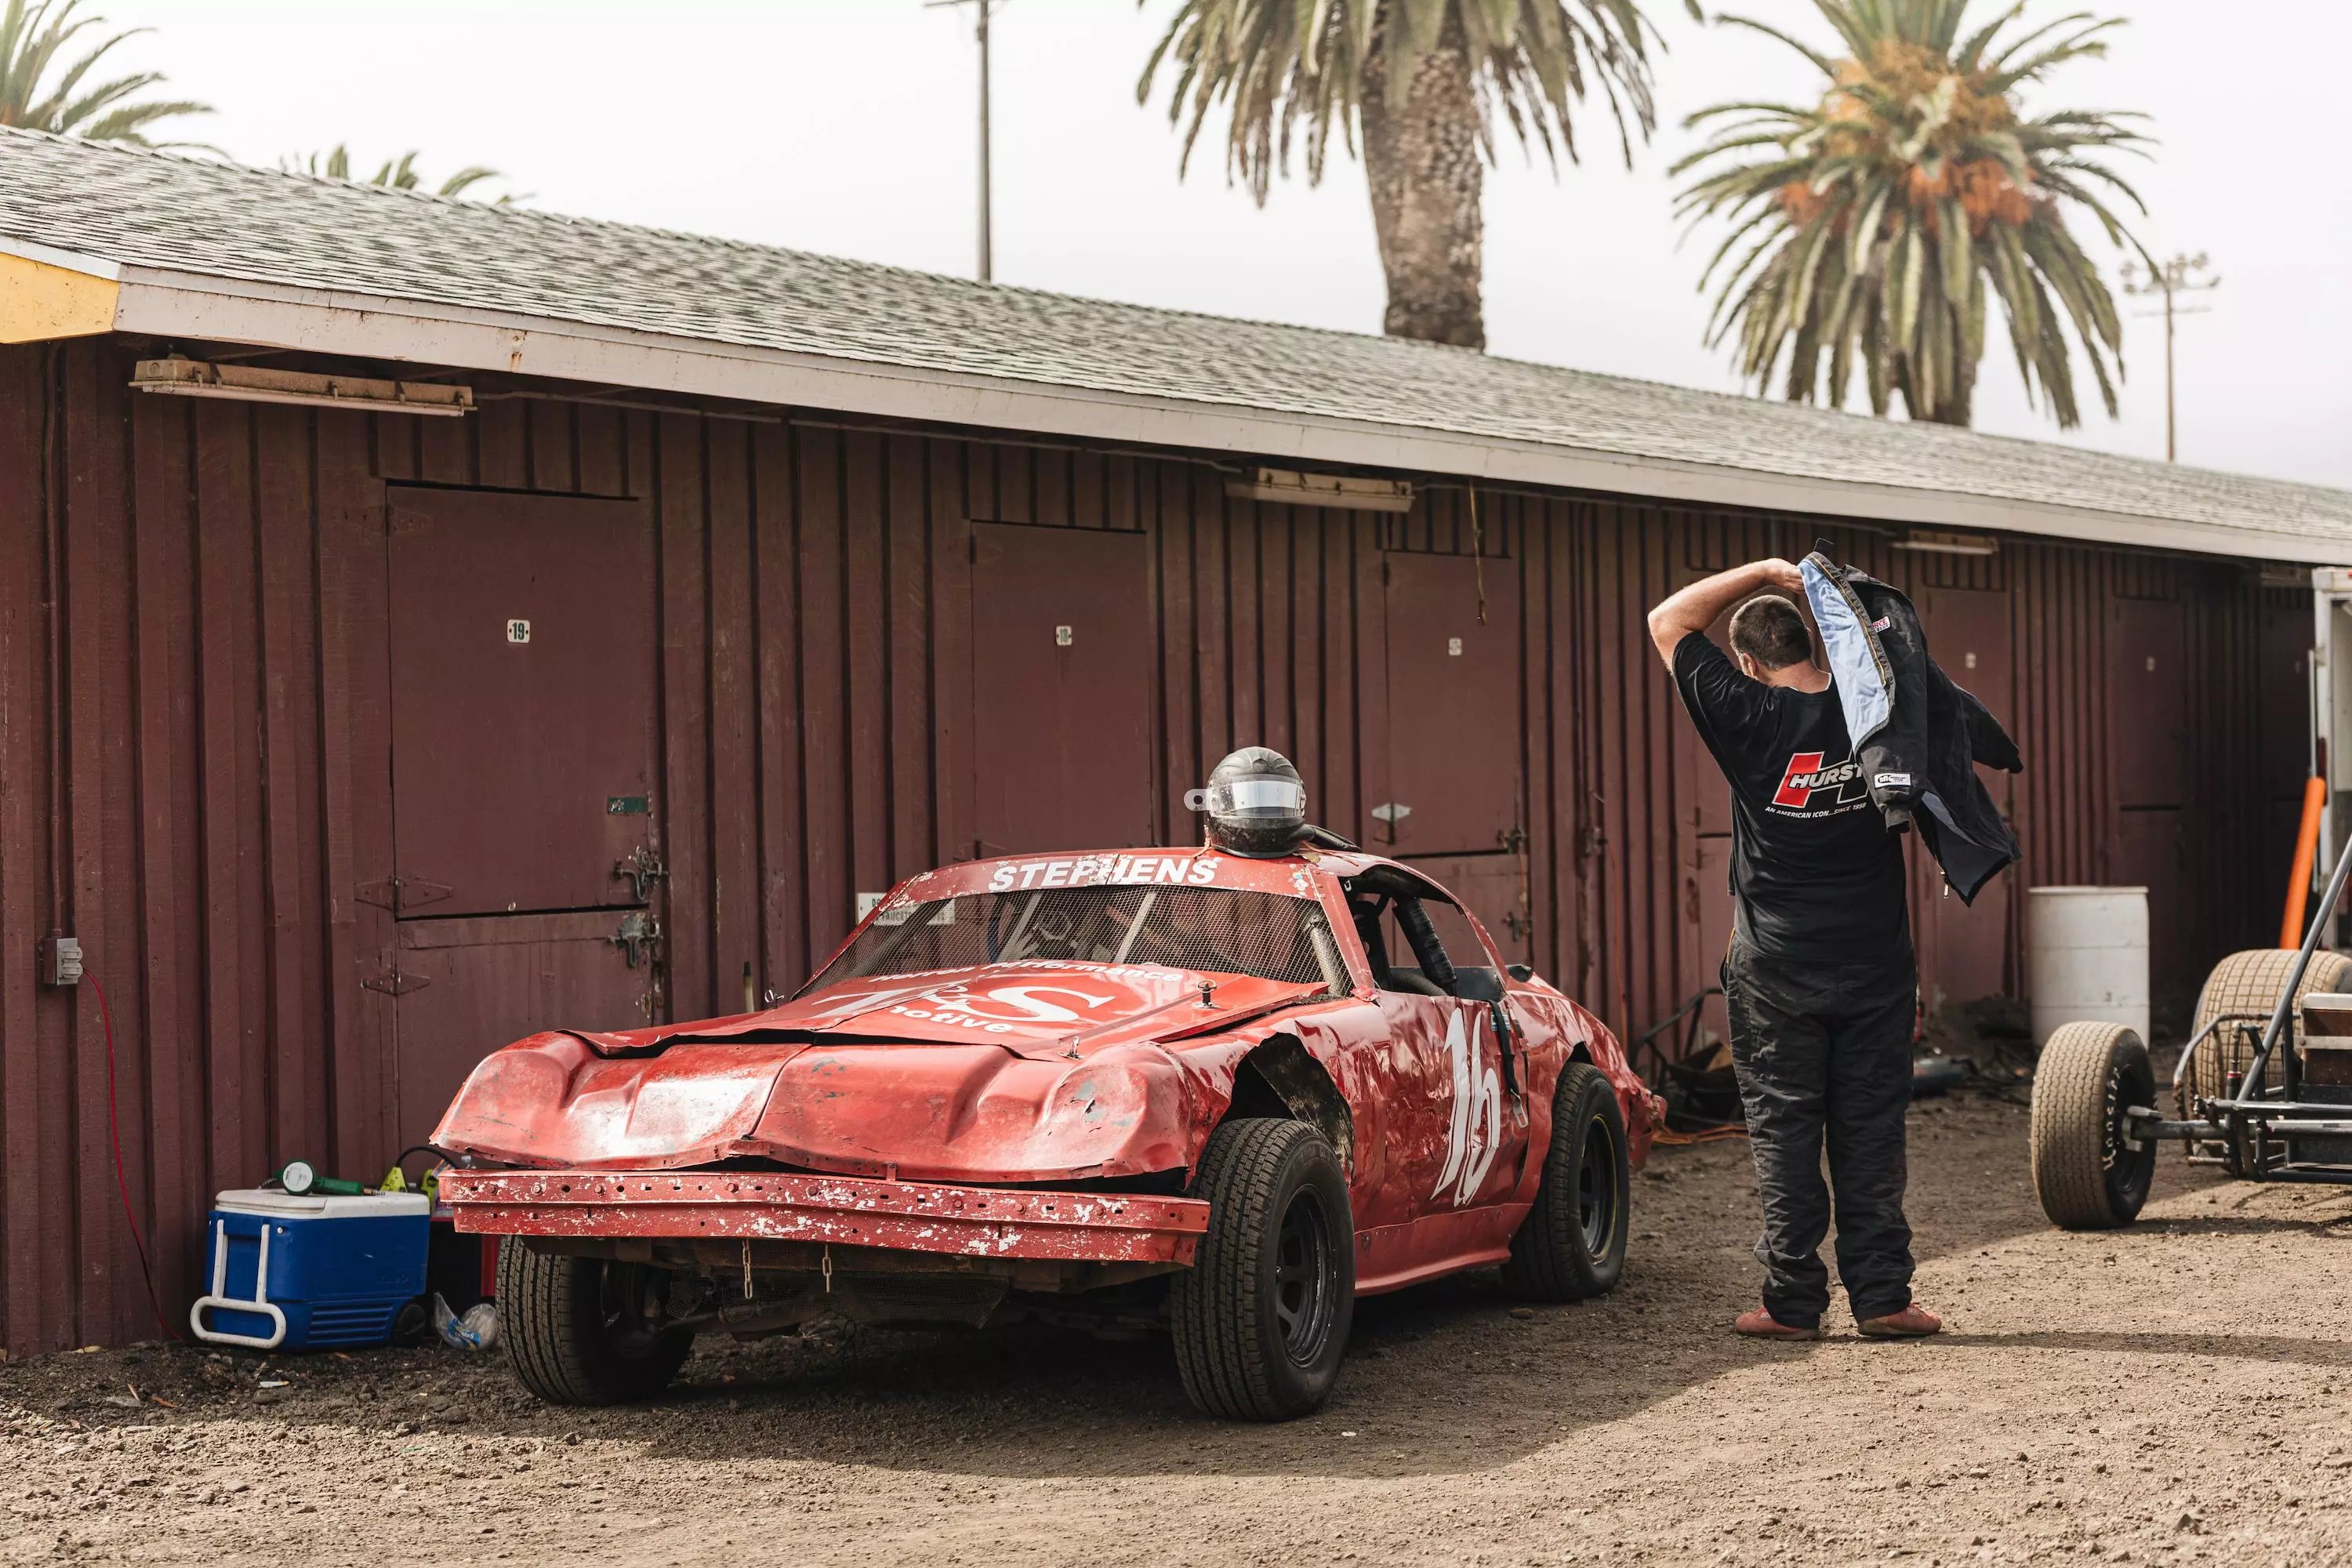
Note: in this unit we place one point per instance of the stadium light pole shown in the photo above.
(2173, 277)
(987, 242)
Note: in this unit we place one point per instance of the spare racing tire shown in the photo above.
(1261, 1317)
(2244, 988)
(575, 1329)
(2088, 1175)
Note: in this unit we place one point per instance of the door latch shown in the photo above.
(1506, 1041)
(393, 982)
(401, 894)
(642, 870)
(639, 931)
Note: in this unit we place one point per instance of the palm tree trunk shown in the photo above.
(1422, 160)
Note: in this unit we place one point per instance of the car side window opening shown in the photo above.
(1436, 953)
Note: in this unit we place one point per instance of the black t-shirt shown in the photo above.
(1814, 873)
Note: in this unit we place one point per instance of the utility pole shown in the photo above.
(987, 243)
(2174, 278)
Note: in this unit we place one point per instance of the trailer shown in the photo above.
(2263, 1089)
(2285, 1116)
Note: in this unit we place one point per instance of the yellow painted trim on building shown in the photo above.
(38, 301)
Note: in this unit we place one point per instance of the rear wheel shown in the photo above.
(2243, 989)
(2085, 1173)
(577, 1330)
(1572, 1242)
(1261, 1317)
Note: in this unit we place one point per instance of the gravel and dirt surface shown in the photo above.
(2171, 1394)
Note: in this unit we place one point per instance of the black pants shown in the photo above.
(1824, 1050)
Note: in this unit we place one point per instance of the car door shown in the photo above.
(1471, 1121)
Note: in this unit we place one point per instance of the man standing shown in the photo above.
(1820, 983)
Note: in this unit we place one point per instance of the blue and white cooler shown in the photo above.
(309, 1271)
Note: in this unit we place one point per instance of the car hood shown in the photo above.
(1014, 1072)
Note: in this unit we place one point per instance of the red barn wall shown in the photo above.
(195, 744)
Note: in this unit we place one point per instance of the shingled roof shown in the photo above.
(214, 250)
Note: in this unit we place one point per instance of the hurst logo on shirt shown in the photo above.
(1808, 784)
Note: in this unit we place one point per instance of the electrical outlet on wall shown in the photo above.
(60, 961)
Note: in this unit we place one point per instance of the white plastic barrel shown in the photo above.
(2087, 957)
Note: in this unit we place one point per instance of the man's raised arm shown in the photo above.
(1694, 608)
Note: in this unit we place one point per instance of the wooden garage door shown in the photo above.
(522, 700)
(1454, 732)
(1061, 628)
(1964, 948)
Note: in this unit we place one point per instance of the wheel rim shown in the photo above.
(1596, 1187)
(2130, 1174)
(1305, 1297)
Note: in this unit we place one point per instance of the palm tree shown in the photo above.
(31, 37)
(1881, 217)
(402, 175)
(1423, 81)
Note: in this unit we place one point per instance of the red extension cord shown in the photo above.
(122, 1182)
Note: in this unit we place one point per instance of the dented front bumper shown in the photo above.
(911, 1216)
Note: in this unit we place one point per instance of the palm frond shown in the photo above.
(1878, 229)
(34, 38)
(1288, 73)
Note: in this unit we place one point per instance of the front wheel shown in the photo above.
(1261, 1317)
(2090, 1171)
(583, 1330)
(1571, 1246)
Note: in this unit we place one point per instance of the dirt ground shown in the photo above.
(2171, 1394)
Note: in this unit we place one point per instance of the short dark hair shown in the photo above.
(1767, 630)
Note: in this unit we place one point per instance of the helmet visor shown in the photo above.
(1265, 798)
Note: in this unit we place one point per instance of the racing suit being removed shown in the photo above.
(1819, 984)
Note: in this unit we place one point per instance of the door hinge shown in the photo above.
(642, 870)
(401, 894)
(639, 931)
(393, 982)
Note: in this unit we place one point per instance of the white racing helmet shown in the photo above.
(1255, 802)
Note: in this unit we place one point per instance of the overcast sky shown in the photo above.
(846, 126)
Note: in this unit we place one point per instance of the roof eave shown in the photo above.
(176, 304)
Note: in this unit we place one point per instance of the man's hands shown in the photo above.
(1694, 608)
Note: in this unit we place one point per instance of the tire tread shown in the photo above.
(2248, 983)
(542, 1316)
(1546, 1261)
(2069, 1124)
(1216, 1311)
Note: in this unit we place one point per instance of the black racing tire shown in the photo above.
(1261, 1317)
(1571, 1246)
(572, 1327)
(2085, 1176)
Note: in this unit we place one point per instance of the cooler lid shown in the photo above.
(321, 1205)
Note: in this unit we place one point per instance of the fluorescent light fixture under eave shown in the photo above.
(1346, 492)
(1929, 541)
(254, 383)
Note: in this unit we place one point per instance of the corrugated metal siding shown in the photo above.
(194, 742)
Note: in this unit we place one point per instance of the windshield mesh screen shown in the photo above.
(1222, 930)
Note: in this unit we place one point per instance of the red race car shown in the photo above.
(1193, 1088)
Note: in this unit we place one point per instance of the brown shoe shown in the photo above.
(1913, 1323)
(1760, 1324)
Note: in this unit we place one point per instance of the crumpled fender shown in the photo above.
(1644, 1112)
(974, 1112)
(550, 1099)
(960, 1113)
